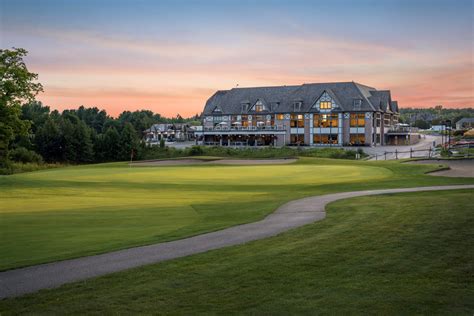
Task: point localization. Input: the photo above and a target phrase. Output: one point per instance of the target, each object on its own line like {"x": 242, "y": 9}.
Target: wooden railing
{"x": 245, "y": 128}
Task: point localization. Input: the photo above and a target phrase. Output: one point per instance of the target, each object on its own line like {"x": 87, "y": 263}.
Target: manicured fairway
{"x": 70, "y": 212}
{"x": 394, "y": 254}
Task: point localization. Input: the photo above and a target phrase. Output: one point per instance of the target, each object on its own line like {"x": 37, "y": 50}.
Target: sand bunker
{"x": 457, "y": 168}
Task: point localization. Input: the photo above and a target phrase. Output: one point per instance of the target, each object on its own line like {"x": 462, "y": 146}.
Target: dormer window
{"x": 297, "y": 106}
{"x": 245, "y": 107}
{"x": 259, "y": 106}
{"x": 217, "y": 110}
{"x": 357, "y": 103}
{"x": 274, "y": 106}
{"x": 325, "y": 105}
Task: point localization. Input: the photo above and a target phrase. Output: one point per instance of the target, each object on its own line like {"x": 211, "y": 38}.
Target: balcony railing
{"x": 402, "y": 129}
{"x": 245, "y": 128}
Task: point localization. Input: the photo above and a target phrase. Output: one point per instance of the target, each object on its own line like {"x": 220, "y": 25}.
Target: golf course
{"x": 412, "y": 247}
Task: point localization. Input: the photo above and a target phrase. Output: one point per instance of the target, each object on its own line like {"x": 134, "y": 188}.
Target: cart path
{"x": 290, "y": 215}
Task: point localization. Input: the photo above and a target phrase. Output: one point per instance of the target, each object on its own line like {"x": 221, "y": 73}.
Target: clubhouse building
{"x": 315, "y": 114}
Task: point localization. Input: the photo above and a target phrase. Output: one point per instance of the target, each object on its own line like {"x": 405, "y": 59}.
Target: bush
{"x": 459, "y": 132}
{"x": 267, "y": 152}
{"x": 24, "y": 155}
{"x": 196, "y": 151}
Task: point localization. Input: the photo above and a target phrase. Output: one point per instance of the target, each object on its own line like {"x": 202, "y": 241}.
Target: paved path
{"x": 425, "y": 143}
{"x": 293, "y": 214}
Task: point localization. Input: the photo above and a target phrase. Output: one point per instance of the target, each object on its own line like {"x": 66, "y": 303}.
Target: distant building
{"x": 465, "y": 123}
{"x": 318, "y": 114}
{"x": 439, "y": 128}
{"x": 169, "y": 132}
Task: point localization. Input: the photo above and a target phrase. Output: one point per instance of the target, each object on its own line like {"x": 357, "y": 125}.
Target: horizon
{"x": 170, "y": 57}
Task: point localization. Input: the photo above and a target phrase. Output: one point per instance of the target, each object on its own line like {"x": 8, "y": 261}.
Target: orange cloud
{"x": 120, "y": 73}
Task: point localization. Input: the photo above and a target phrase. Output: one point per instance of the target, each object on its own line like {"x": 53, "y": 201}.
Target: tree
{"x": 17, "y": 85}
{"x": 129, "y": 142}
{"x": 36, "y": 113}
{"x": 84, "y": 146}
{"x": 110, "y": 144}
{"x": 422, "y": 124}
{"x": 48, "y": 141}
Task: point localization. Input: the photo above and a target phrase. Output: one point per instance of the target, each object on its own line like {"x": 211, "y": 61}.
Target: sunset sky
{"x": 170, "y": 56}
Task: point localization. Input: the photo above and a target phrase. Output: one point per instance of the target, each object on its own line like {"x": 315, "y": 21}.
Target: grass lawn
{"x": 75, "y": 211}
{"x": 393, "y": 254}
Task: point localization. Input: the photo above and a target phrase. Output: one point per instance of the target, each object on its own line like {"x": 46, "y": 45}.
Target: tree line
{"x": 85, "y": 135}
{"x": 31, "y": 132}
{"x": 426, "y": 117}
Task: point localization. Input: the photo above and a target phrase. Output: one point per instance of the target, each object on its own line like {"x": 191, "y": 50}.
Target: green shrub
{"x": 24, "y": 155}
{"x": 267, "y": 152}
{"x": 196, "y": 151}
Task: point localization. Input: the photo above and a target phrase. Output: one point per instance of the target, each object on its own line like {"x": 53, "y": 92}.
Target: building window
{"x": 280, "y": 116}
{"x": 297, "y": 139}
{"x": 245, "y": 120}
{"x": 325, "y": 139}
{"x": 297, "y": 120}
{"x": 259, "y": 107}
{"x": 258, "y": 120}
{"x": 357, "y": 120}
{"x": 357, "y": 103}
{"x": 325, "y": 120}
{"x": 297, "y": 106}
{"x": 357, "y": 139}
{"x": 325, "y": 105}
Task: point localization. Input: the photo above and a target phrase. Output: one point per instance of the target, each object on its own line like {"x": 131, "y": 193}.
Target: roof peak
{"x": 300, "y": 85}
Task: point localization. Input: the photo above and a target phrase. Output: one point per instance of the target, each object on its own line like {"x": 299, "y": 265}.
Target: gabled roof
{"x": 343, "y": 93}
{"x": 466, "y": 120}
{"x": 381, "y": 100}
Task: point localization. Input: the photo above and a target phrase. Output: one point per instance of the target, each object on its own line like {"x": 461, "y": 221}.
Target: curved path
{"x": 293, "y": 214}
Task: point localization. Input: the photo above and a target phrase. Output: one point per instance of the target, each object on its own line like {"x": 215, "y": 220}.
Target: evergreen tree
{"x": 111, "y": 142}
{"x": 48, "y": 141}
{"x": 129, "y": 143}
{"x": 83, "y": 142}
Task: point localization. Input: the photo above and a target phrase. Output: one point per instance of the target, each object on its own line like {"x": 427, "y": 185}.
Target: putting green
{"x": 69, "y": 212}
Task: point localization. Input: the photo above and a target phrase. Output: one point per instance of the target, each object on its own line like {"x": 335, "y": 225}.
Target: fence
{"x": 412, "y": 153}
{"x": 464, "y": 151}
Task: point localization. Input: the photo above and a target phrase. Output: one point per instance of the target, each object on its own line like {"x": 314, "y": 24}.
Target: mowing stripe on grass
{"x": 291, "y": 215}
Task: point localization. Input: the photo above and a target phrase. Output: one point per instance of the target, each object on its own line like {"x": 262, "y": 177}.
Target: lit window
{"x": 297, "y": 120}
{"x": 357, "y": 120}
{"x": 259, "y": 107}
{"x": 325, "y": 138}
{"x": 280, "y": 116}
{"x": 325, "y": 120}
{"x": 357, "y": 139}
{"x": 325, "y": 105}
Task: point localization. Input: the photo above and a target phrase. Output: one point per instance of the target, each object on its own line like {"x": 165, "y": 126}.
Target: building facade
{"x": 168, "y": 132}
{"x": 317, "y": 114}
